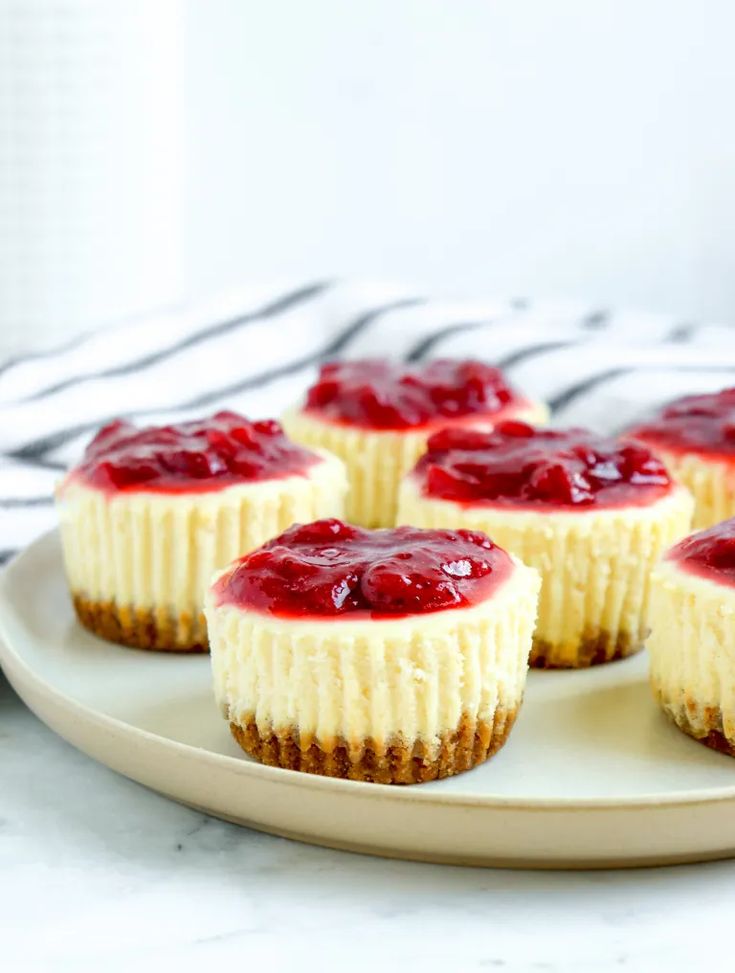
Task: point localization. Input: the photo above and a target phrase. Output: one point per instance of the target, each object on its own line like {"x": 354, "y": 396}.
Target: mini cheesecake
{"x": 150, "y": 514}
{"x": 395, "y": 656}
{"x": 695, "y": 437}
{"x": 377, "y": 415}
{"x": 692, "y": 642}
{"x": 592, "y": 515}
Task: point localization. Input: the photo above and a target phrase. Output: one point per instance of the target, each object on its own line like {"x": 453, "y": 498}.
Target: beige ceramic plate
{"x": 593, "y": 775}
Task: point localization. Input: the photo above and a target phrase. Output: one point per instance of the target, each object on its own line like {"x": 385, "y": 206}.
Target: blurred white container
{"x": 90, "y": 164}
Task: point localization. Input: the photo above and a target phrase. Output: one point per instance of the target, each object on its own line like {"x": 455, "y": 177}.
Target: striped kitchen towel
{"x": 254, "y": 351}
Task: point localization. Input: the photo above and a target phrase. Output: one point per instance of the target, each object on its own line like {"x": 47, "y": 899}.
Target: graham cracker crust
{"x": 592, "y": 650}
{"x": 702, "y": 723}
{"x": 470, "y": 744}
{"x": 141, "y": 628}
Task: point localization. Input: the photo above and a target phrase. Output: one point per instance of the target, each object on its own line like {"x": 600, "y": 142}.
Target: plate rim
{"x": 24, "y": 679}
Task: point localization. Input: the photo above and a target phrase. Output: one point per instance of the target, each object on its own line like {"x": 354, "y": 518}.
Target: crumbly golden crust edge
{"x": 400, "y": 762}
{"x": 592, "y": 650}
{"x": 702, "y": 723}
{"x": 142, "y": 628}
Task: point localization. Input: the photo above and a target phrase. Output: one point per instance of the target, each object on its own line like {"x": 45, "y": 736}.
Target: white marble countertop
{"x": 97, "y": 872}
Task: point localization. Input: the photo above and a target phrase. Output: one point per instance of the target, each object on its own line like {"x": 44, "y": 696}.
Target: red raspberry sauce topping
{"x": 696, "y": 423}
{"x": 329, "y": 569}
{"x": 379, "y": 394}
{"x": 517, "y": 465}
{"x": 709, "y": 553}
{"x": 202, "y": 455}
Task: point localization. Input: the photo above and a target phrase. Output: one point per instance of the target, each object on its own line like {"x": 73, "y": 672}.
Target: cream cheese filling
{"x": 414, "y": 677}
{"x": 692, "y": 646}
{"x": 376, "y": 460}
{"x": 710, "y": 480}
{"x": 153, "y": 550}
{"x": 595, "y": 563}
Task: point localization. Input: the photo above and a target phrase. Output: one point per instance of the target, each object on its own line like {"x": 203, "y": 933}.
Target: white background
{"x": 156, "y": 151}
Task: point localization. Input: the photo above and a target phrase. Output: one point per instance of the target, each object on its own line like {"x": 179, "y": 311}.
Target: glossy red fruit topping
{"x": 201, "y": 455}
{"x": 699, "y": 423}
{"x": 329, "y": 568}
{"x": 516, "y": 464}
{"x": 380, "y": 394}
{"x": 709, "y": 553}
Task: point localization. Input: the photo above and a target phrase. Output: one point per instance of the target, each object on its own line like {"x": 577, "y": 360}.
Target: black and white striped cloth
{"x": 254, "y": 351}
